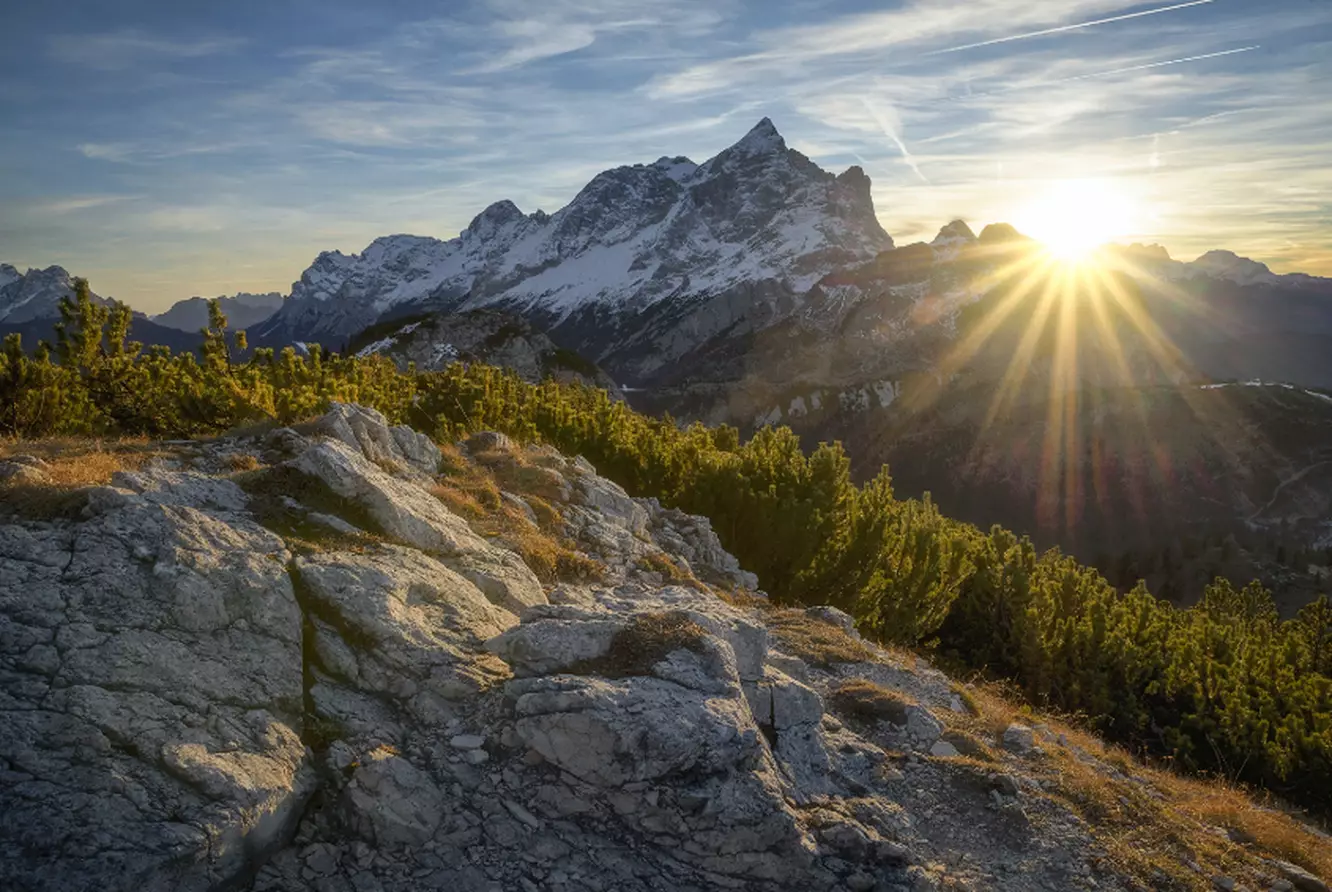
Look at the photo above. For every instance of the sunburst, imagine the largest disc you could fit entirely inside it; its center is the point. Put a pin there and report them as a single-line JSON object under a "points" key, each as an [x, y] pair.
{"points": [[1072, 218]]}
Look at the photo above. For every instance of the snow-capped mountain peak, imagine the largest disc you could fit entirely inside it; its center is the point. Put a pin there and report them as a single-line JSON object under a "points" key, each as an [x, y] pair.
{"points": [[666, 233], [762, 139], [1229, 265], [35, 294]]}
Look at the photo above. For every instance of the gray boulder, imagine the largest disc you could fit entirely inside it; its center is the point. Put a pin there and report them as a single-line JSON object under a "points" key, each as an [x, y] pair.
{"points": [[368, 432], [611, 732], [391, 803], [398, 624]]}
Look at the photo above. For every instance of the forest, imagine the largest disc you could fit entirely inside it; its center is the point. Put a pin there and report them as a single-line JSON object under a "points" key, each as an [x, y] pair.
{"points": [[1223, 687]]}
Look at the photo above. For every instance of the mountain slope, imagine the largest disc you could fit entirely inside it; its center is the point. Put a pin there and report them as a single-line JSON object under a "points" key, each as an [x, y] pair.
{"points": [[491, 337], [30, 308], [338, 670], [34, 295]]}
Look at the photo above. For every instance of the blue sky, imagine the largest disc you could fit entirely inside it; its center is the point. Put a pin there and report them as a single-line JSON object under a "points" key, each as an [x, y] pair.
{"points": [[166, 149]]}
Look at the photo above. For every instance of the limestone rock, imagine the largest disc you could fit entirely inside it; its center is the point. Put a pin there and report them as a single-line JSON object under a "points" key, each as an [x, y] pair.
{"points": [[1018, 738], [409, 514], [414, 623], [1300, 878], [612, 732], [367, 431], [23, 469], [391, 803], [552, 639], [150, 676], [691, 537], [403, 510]]}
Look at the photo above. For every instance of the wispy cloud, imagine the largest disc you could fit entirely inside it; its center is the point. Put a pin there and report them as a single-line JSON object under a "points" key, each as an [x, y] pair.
{"points": [[129, 47], [73, 203]]}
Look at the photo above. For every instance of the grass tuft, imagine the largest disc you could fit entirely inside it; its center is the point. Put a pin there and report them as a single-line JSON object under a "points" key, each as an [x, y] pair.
{"points": [[815, 641], [474, 493], [863, 700], [644, 643], [71, 465]]}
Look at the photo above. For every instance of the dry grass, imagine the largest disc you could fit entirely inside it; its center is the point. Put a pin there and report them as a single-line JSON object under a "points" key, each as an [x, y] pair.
{"points": [[970, 745], [474, 493], [521, 471], [1152, 822], [671, 571], [1265, 828], [71, 465], [644, 643], [813, 640], [863, 700], [240, 462]]}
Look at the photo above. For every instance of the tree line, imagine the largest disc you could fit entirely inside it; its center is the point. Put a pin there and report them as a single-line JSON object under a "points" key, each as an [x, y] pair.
{"points": [[1222, 687]]}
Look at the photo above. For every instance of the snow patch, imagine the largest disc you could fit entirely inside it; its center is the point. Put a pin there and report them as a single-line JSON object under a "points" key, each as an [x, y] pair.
{"points": [[378, 346]]}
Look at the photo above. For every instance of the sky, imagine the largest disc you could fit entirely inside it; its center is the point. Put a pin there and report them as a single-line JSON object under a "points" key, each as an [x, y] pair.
{"points": [[167, 149]]}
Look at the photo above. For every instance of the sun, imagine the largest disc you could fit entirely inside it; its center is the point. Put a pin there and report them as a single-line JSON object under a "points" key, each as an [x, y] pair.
{"points": [[1073, 218]]}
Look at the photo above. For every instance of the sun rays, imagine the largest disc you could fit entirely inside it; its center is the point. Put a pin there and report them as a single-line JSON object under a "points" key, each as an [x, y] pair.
{"points": [[1065, 344]]}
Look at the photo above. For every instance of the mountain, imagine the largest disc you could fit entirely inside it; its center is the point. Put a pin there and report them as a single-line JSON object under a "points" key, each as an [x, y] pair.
{"points": [[30, 308], [646, 263], [432, 341], [758, 289], [34, 295], [243, 311]]}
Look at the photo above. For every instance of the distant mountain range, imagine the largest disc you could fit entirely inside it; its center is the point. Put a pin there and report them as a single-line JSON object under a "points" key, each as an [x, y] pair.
{"points": [[756, 288], [30, 307], [243, 311]]}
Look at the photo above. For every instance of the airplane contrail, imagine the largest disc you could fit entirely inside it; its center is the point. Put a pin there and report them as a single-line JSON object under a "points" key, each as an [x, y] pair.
{"points": [[1083, 77], [1062, 28], [1094, 74]]}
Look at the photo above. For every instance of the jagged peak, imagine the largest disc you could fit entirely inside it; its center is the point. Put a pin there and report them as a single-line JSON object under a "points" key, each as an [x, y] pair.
{"points": [[955, 231], [498, 214], [1220, 257], [1145, 252], [762, 139], [1229, 265], [996, 233], [854, 175]]}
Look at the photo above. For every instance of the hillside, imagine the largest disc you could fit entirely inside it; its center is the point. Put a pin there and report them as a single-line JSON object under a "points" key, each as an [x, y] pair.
{"points": [[336, 655]]}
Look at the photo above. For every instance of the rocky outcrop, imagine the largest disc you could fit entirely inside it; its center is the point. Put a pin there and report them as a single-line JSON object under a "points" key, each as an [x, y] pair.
{"points": [[150, 675], [508, 340], [388, 699]]}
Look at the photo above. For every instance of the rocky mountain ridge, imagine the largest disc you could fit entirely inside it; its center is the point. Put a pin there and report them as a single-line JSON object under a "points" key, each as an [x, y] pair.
{"points": [[737, 236], [281, 661], [34, 295]]}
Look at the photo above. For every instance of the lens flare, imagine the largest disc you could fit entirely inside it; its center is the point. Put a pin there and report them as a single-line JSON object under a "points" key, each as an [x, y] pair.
{"points": [[1073, 218]]}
